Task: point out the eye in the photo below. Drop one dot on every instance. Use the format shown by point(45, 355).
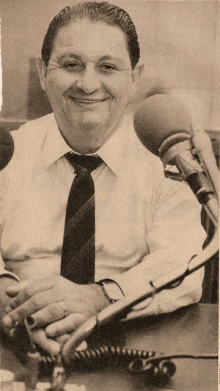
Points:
point(72, 66)
point(108, 67)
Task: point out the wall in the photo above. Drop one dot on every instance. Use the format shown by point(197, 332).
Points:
point(179, 45)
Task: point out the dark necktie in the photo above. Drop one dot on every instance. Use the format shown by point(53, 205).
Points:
point(78, 253)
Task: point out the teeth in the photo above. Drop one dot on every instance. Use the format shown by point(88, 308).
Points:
point(88, 101)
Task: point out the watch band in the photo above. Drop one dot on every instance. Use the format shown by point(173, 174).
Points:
point(9, 275)
point(104, 284)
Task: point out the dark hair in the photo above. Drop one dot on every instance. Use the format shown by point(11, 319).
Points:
point(96, 12)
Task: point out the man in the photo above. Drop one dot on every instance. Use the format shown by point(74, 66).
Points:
point(145, 225)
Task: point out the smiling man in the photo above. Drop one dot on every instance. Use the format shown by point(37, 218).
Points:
point(77, 236)
point(89, 81)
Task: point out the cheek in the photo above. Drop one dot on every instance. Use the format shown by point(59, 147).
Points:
point(58, 82)
point(120, 88)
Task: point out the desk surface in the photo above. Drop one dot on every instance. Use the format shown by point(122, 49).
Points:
point(189, 330)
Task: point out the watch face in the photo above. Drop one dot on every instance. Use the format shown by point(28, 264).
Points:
point(113, 291)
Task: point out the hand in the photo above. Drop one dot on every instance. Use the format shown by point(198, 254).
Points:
point(39, 338)
point(50, 345)
point(55, 303)
point(5, 282)
point(53, 346)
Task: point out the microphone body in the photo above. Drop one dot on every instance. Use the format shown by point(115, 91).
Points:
point(163, 125)
point(6, 148)
point(180, 155)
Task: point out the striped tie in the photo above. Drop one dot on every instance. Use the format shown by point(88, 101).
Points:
point(78, 253)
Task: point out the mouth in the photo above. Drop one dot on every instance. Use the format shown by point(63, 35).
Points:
point(87, 102)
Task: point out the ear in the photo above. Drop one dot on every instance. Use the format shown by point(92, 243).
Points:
point(42, 71)
point(136, 74)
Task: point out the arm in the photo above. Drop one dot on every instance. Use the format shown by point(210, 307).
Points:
point(174, 236)
point(7, 279)
point(45, 300)
point(5, 283)
point(9, 282)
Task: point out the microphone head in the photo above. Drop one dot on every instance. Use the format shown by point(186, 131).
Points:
point(159, 117)
point(6, 148)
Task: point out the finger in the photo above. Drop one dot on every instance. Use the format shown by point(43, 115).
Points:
point(28, 308)
point(66, 325)
point(29, 290)
point(48, 344)
point(62, 339)
point(10, 332)
point(82, 346)
point(13, 290)
point(49, 314)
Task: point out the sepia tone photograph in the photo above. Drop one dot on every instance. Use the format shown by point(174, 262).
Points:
point(109, 188)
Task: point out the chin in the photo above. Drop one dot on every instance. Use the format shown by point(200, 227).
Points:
point(89, 124)
point(87, 148)
point(88, 141)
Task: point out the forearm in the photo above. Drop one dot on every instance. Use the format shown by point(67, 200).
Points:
point(173, 238)
point(188, 292)
point(138, 280)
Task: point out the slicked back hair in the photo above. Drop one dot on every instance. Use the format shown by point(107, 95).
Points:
point(104, 12)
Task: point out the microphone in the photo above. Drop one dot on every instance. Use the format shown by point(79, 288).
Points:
point(159, 117)
point(6, 148)
point(163, 125)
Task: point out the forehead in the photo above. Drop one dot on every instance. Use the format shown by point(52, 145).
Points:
point(90, 39)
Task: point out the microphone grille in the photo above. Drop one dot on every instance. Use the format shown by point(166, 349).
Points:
point(159, 117)
point(6, 148)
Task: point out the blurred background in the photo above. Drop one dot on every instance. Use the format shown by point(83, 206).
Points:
point(180, 46)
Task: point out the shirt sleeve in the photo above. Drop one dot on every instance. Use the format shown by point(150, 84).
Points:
point(3, 272)
point(175, 235)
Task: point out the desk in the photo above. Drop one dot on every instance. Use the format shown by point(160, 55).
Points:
point(189, 330)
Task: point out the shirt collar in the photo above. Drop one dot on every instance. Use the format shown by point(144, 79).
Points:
point(112, 152)
point(54, 146)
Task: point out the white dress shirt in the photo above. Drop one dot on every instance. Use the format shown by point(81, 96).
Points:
point(146, 225)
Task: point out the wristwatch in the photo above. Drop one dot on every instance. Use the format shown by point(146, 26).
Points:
point(111, 290)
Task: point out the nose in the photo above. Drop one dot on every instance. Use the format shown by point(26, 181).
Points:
point(89, 80)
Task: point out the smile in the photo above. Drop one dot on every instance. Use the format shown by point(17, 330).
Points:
point(88, 101)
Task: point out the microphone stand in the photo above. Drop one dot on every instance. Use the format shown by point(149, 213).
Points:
point(180, 151)
point(203, 148)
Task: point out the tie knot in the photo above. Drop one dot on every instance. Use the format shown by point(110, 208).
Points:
point(90, 163)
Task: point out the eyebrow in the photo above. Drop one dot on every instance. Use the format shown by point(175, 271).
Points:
point(70, 54)
point(103, 58)
point(111, 58)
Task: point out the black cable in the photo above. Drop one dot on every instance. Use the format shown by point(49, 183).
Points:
point(109, 352)
point(105, 353)
point(157, 368)
point(139, 366)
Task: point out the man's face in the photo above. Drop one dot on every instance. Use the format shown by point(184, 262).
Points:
point(88, 81)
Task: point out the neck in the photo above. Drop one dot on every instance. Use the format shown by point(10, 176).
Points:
point(79, 146)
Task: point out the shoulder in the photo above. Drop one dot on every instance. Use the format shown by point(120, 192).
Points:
point(33, 132)
point(149, 170)
point(28, 142)
point(145, 162)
